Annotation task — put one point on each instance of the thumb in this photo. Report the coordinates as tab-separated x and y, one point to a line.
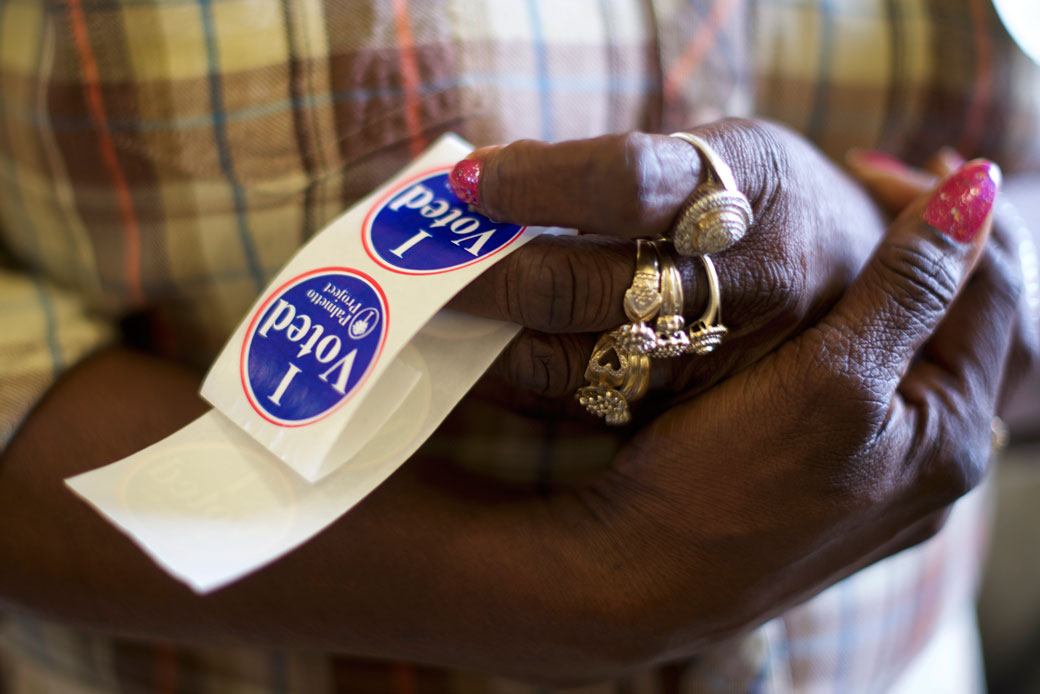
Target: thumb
892	182
917	270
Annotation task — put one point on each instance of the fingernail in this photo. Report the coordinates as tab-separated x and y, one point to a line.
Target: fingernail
950	157
962	202
874	159
464	180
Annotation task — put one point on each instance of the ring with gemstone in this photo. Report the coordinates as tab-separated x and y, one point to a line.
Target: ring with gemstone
672	340
717	214
642	302
708	332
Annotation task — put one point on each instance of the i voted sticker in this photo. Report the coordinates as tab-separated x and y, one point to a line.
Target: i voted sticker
312	343
420	227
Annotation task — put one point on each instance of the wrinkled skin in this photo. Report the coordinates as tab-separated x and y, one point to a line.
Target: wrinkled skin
841	425
849	440
813	229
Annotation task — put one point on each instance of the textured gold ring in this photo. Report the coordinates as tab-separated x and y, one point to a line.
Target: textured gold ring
717	214
642	302
672	339
616	378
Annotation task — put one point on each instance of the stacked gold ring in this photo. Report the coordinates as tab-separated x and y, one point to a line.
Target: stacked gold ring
671	339
708	332
714	217
642	302
618	372
611	388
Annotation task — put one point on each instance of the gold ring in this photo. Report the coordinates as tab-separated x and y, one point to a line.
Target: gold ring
642	302
611	387
672	340
637	378
708	332
717	214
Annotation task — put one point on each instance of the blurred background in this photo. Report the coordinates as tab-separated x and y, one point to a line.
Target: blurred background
1009	603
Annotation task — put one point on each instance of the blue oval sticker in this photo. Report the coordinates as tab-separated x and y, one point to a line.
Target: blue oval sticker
421	227
312	343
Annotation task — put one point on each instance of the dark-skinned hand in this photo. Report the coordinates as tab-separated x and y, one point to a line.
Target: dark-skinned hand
814	227
856	418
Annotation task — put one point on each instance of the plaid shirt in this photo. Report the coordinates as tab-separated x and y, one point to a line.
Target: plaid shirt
168	156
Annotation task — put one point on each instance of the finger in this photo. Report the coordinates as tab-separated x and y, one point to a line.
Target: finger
630	185
569	284
496	390
906	288
892	182
1017	250
616	184
567	290
549	365
944	162
552	365
577	284
955	384
556	284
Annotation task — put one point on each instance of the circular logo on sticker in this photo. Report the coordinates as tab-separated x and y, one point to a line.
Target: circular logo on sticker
312	343
421	228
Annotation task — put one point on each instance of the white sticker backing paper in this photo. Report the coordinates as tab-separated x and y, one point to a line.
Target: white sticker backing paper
339	372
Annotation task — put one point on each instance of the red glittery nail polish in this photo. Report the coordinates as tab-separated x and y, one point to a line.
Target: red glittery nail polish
961	203
465	181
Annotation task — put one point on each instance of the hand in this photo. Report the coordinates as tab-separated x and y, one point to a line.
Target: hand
813	230
841	447
894	184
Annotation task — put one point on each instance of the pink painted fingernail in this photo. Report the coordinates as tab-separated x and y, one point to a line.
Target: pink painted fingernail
962	202
464	180
875	159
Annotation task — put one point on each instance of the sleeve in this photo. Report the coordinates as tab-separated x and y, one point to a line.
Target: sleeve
44	330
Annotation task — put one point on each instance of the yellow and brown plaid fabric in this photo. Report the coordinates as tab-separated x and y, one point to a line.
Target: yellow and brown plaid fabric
167	156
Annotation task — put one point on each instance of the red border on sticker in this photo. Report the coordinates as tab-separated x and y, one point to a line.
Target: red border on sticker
366	230
263	307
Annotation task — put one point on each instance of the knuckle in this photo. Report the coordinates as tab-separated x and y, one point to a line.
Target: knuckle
556	282
951	453
760	154
775	299
509	196
1004	278
541	363
957	467
922	282
635	165
553	290
1009	302
854	385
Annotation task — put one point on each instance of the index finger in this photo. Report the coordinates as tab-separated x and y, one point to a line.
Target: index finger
628	185
916	272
